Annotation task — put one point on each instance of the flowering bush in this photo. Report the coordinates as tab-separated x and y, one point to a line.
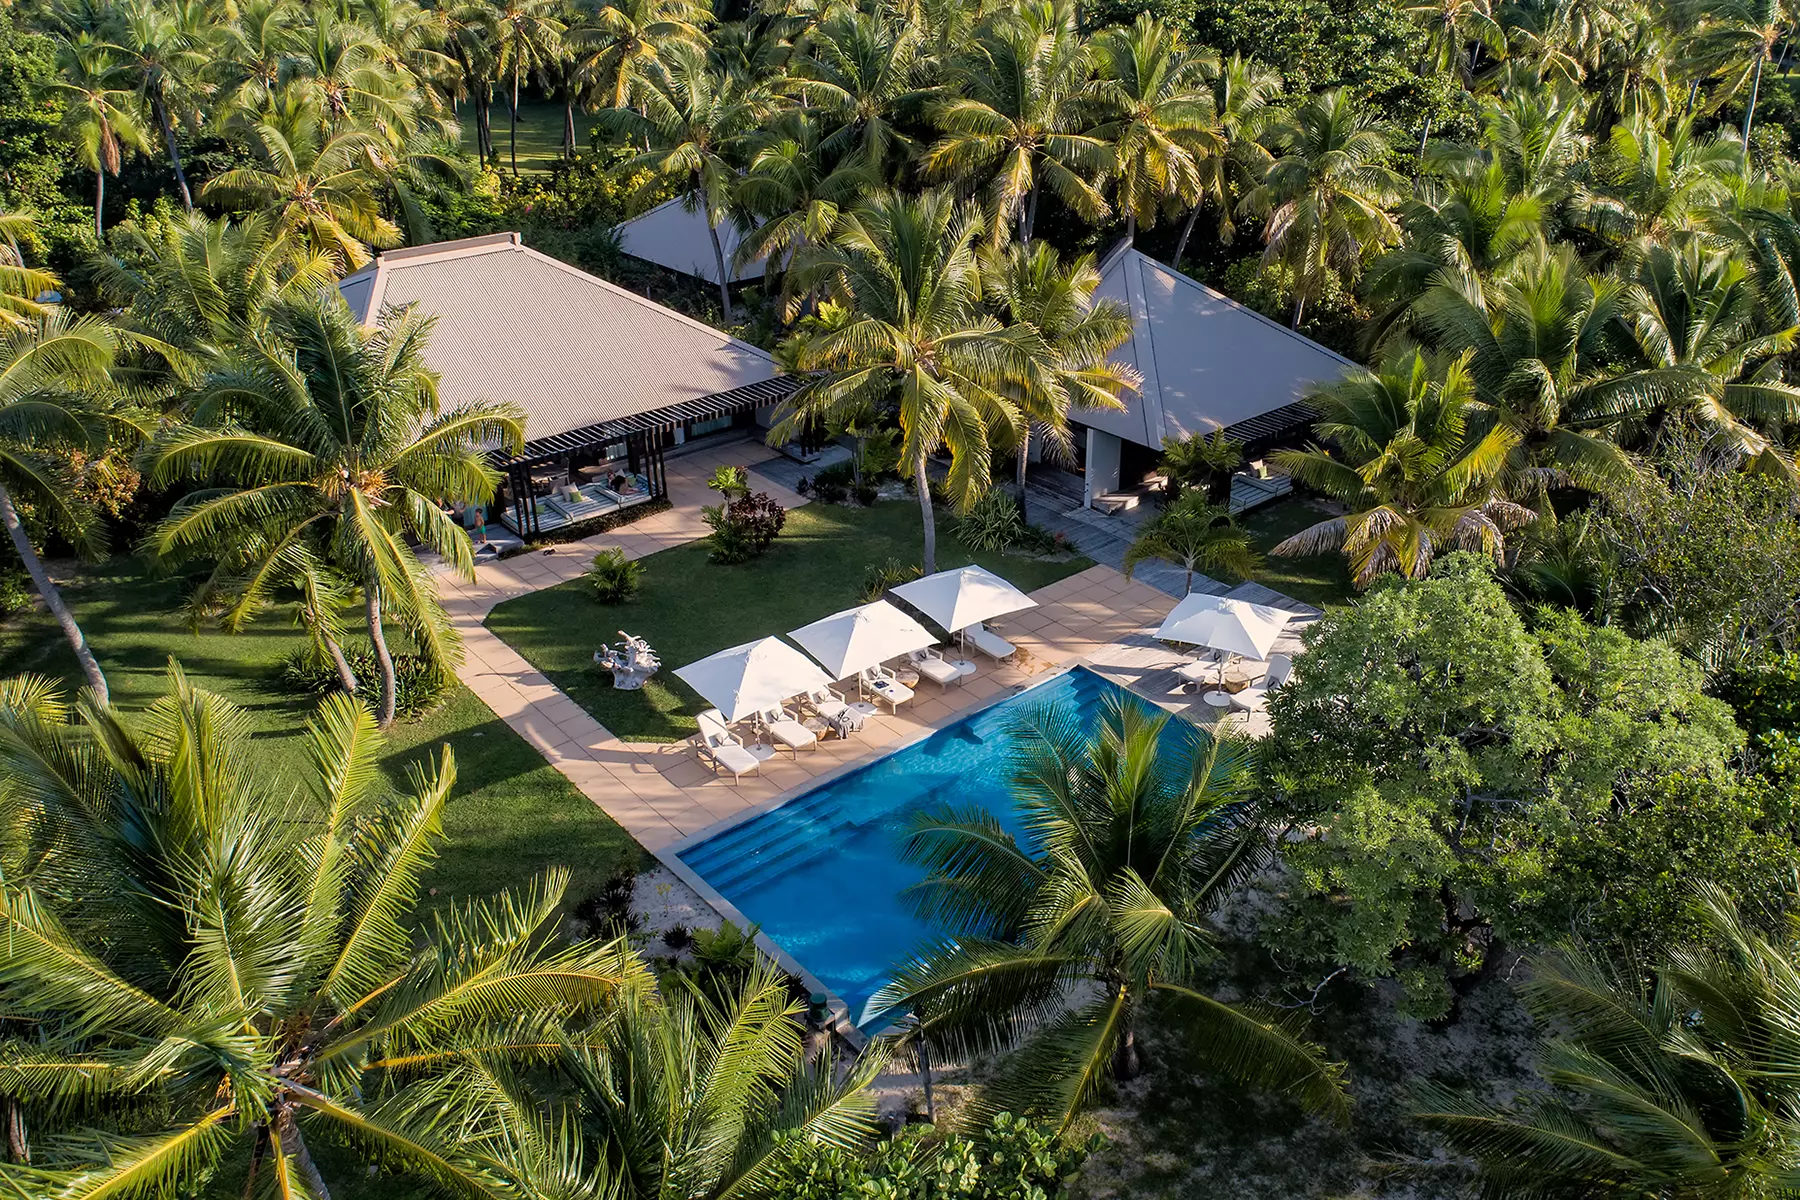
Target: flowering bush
744	528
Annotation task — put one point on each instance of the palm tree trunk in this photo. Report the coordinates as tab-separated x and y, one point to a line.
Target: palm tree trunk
383	660
1187	227
515	118
924	1053
346	677
1030	215
1424	138
568	127
1127	1062
484	124
168	131
1131	228
18	1148
1024	451
99	202
1750	110
1693	94
292	1142
34	566
719	259
1299	308
923	479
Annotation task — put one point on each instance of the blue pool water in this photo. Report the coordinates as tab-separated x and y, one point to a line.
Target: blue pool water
822	874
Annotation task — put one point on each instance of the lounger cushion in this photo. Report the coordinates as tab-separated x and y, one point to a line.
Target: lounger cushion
791	733
989	643
735	758
891	690
936	669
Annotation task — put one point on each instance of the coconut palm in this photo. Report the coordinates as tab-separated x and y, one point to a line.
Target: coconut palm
1413	463
327	441
1676	1080
341	73
322	188
239	961
1242	90
618	44
1456	31
908	335
1325	199
1197	534
55	377
1028	285
1653	183
705	1091
100	112
796	193
253	52
20	285
527	37
856	71
1017	121
1732	42
692	114
1161	123
1135	829
164	48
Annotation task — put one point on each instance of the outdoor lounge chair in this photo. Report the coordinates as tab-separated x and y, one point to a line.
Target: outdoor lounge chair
1255	699
933	666
721	747
1201	671
881	681
988	642
826	702
784	730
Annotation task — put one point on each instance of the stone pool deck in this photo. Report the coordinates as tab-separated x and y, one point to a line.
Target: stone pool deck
662	793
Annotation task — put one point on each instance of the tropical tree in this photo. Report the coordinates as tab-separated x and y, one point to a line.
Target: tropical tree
796	192
1456	31
253	52
1242	90
1209	462
100	112
1017	119
1029	286
692	116
321	188
908	335
20	285
1413	465
1733	41
1135	829
164	48
55	385
1197	534
1161	123
856	72
1653	183
240	961
1325	199
1674	1080
329	446
618	44
527	38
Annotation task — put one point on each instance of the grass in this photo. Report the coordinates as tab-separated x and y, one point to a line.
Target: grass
691	607
540	133
1322	580
509	817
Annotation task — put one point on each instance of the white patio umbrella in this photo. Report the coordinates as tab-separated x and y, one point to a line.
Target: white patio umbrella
749	678
851	641
1221	623
957	599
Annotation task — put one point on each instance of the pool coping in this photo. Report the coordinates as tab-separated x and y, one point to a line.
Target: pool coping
841	1023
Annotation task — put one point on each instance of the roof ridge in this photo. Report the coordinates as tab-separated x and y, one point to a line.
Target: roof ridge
430	250
1216	294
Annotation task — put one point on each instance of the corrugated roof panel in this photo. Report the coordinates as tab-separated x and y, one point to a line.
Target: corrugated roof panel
671	236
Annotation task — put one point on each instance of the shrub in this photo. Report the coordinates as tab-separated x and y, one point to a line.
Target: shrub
419	686
607	913
1010	1158
992	523
677	937
614	578
730	482
842	474
881	454
865	493
882	576
744	528
15	594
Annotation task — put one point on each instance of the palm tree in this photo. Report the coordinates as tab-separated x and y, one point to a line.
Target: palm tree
1677	1080
328	441
908	335
254	52
855	73
20	285
1135	830
797	194
619	43
55	373
1199	535
1325	199
164	48
341	73
1016	122
1653	183
100	112
704	1091
322	187
1029	286
527	36
691	116
1732	42
1161	123
1412	465
1209	461
1455	32
1242	90
197	941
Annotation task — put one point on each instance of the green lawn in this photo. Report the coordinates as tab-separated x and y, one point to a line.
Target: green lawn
691	607
511	815
1322	580
540	133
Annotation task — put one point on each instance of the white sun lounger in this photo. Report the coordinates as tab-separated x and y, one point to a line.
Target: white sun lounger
988	642
826	702
785	731
933	666
1255	699
719	746
884	685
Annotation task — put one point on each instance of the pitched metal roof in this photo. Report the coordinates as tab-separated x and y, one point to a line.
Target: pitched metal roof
1207	361
569	349
674	236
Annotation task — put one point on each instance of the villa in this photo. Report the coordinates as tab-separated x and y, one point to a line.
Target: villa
675	237
609	381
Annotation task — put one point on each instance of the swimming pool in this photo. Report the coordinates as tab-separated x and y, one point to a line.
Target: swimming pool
822	874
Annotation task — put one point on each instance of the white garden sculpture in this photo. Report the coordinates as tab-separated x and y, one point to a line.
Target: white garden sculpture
631	662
